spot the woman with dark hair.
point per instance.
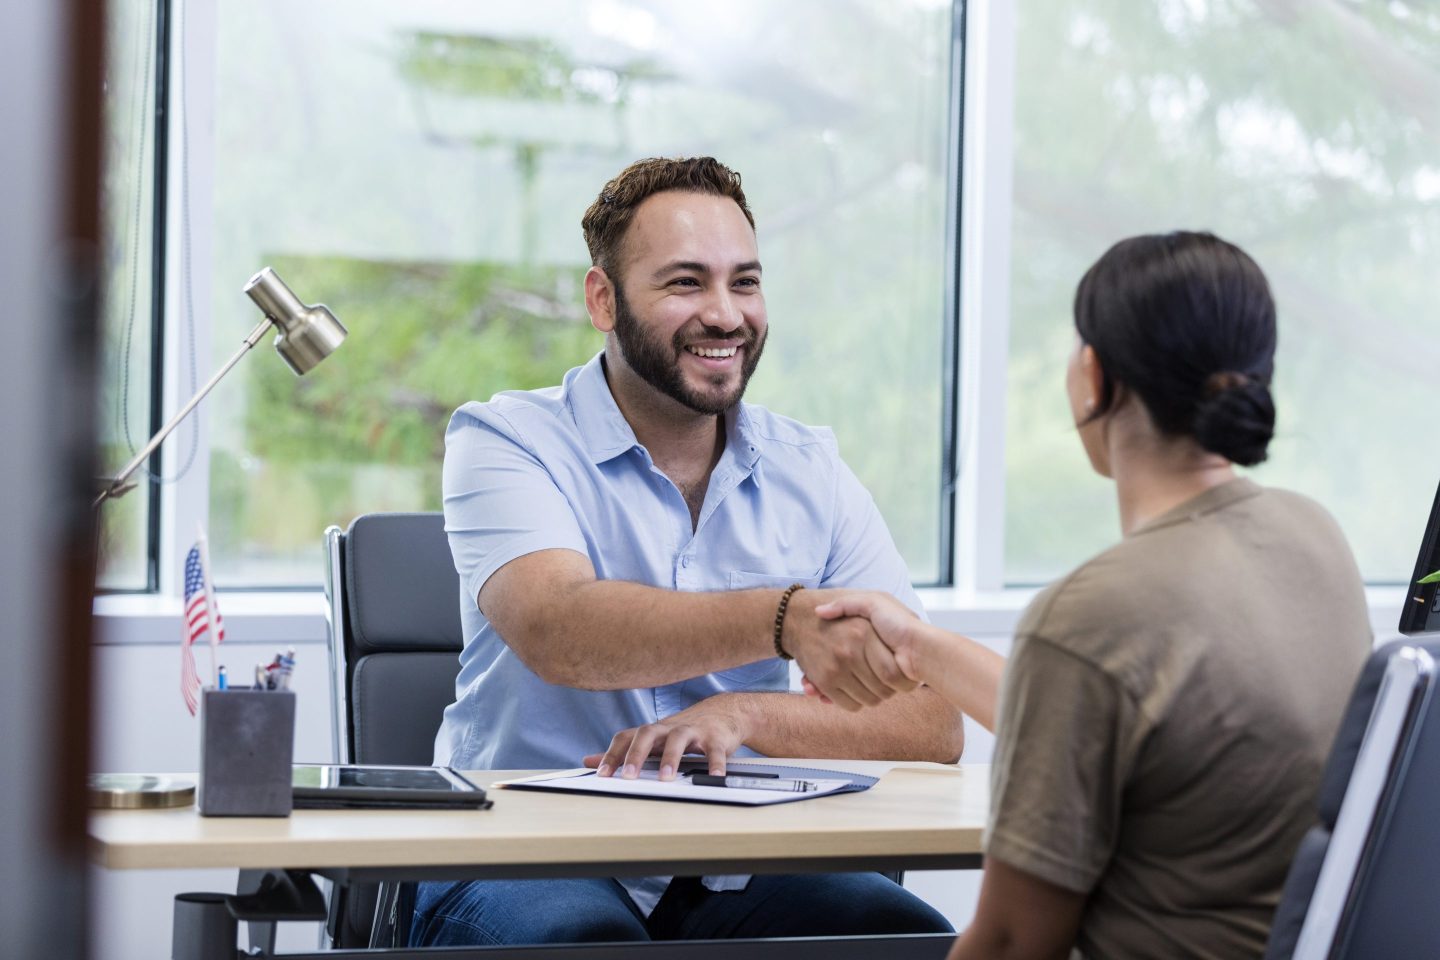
(1167, 708)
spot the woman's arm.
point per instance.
(1020, 917)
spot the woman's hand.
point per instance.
(894, 623)
(893, 626)
(964, 672)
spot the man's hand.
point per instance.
(965, 673)
(715, 727)
(843, 658)
(894, 624)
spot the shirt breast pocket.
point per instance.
(772, 673)
(741, 580)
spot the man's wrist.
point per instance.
(737, 708)
(781, 610)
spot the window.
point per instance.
(1306, 133)
(422, 169)
(128, 342)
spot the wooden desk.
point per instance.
(919, 816)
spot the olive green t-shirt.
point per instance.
(1165, 715)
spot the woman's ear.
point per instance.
(1092, 380)
(600, 299)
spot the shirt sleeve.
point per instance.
(863, 555)
(500, 501)
(1063, 753)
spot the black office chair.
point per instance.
(393, 606)
(1363, 882)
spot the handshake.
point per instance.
(855, 649)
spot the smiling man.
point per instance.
(634, 549)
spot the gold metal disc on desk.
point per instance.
(138, 791)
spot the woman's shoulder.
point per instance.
(1302, 508)
(1088, 598)
(1167, 581)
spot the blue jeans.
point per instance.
(481, 912)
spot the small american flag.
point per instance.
(196, 624)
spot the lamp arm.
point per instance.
(116, 486)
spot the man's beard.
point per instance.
(658, 364)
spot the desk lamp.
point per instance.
(308, 334)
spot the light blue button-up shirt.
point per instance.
(561, 468)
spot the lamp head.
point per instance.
(308, 334)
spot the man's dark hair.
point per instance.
(1186, 321)
(609, 216)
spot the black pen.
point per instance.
(753, 783)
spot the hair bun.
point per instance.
(1236, 418)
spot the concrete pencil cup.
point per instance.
(247, 744)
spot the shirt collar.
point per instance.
(603, 428)
(1216, 498)
(607, 434)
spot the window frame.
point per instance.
(184, 504)
(982, 320)
(159, 193)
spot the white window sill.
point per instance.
(299, 617)
(292, 617)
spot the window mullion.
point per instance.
(159, 339)
(987, 165)
(189, 239)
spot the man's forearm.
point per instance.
(913, 726)
(576, 631)
(610, 634)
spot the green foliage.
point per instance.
(526, 69)
(1432, 578)
(365, 430)
(486, 66)
(424, 338)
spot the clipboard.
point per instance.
(649, 786)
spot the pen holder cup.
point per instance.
(247, 743)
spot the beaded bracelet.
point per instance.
(780, 618)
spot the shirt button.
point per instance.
(685, 561)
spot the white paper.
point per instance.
(649, 784)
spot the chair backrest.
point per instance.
(393, 605)
(395, 635)
(1362, 882)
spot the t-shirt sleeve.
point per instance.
(500, 500)
(863, 555)
(1063, 753)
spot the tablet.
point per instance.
(355, 785)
